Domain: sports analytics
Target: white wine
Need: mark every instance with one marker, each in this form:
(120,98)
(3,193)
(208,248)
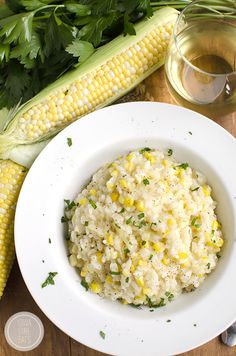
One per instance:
(201,67)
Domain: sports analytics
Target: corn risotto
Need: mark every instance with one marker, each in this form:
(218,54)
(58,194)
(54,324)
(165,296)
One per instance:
(144,229)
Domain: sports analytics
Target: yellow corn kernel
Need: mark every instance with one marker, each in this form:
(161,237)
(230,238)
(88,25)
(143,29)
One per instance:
(130,156)
(110,186)
(142,263)
(99,257)
(183,265)
(123,183)
(219,242)
(140,281)
(170,222)
(95,287)
(206,190)
(83,201)
(84,272)
(110,240)
(132,268)
(158,246)
(215,225)
(125,273)
(128,202)
(114,196)
(182,255)
(124,301)
(200,275)
(204,258)
(129,166)
(146,291)
(114,173)
(139,206)
(207,236)
(165,261)
(165,163)
(138,297)
(93,192)
(109,279)
(149,157)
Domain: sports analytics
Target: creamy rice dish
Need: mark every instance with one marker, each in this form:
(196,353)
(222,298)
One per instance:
(144,229)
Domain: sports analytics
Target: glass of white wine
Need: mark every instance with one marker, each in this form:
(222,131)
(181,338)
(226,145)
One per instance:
(201,60)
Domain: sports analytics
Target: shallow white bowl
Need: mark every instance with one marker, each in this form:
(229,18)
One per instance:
(59,173)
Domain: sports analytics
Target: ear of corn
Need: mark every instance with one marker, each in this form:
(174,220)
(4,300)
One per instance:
(109,73)
(11,179)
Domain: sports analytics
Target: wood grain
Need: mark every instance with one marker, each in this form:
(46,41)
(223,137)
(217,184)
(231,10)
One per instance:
(55,342)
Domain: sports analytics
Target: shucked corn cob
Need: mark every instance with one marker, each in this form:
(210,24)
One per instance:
(11,179)
(109,73)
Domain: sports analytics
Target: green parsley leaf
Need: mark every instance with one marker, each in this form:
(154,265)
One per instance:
(115,273)
(151,305)
(69,204)
(195,189)
(128,221)
(169,296)
(122,211)
(84,284)
(218,255)
(78,9)
(141,215)
(146,182)
(127,279)
(126,251)
(150,257)
(102,334)
(194,224)
(80,49)
(208,265)
(137,306)
(49,280)
(145,149)
(128,26)
(169,152)
(183,165)
(92,203)
(144,243)
(69,141)
(64,219)
(86,223)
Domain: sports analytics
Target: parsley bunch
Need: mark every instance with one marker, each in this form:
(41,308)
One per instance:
(42,39)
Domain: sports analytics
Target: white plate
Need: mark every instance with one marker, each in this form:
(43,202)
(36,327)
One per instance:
(59,173)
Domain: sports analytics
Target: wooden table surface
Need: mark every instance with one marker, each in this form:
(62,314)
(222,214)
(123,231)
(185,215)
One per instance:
(55,342)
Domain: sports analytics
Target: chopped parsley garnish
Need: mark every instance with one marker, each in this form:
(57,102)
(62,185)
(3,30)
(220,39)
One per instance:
(140,224)
(218,255)
(170,152)
(49,241)
(69,141)
(194,190)
(144,243)
(137,306)
(67,237)
(151,305)
(49,280)
(183,165)
(208,265)
(86,223)
(64,219)
(169,296)
(84,284)
(193,223)
(127,279)
(168,321)
(92,203)
(115,273)
(151,310)
(128,221)
(122,211)
(69,204)
(118,226)
(212,232)
(141,215)
(190,132)
(126,250)
(150,257)
(146,181)
(102,334)
(155,224)
(145,149)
